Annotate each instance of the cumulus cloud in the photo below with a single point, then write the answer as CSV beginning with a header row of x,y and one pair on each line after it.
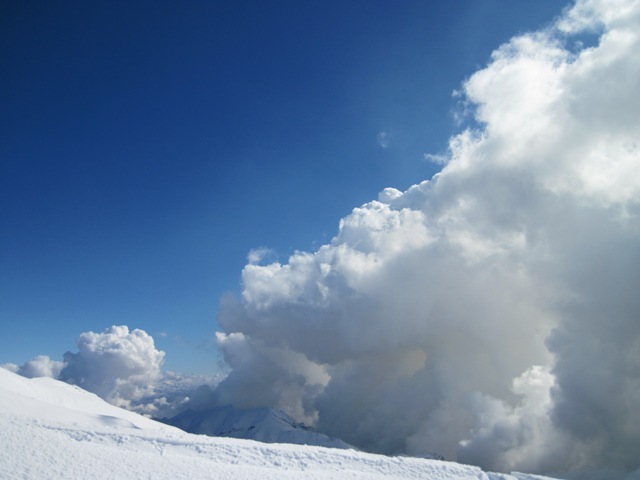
x,y
119,365
490,313
124,368
12,367
39,366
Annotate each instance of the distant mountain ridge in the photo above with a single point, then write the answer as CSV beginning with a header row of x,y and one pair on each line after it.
x,y
262,424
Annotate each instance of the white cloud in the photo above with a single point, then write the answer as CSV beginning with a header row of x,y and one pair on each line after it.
x,y
258,255
118,365
418,327
523,435
384,139
175,392
123,367
40,366
438,159
12,367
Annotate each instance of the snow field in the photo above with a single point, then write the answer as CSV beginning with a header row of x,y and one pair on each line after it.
x,y
51,430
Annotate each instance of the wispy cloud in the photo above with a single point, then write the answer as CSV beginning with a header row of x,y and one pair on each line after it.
x,y
438,159
258,255
384,139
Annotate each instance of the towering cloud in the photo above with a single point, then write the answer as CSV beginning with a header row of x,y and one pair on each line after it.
x,y
491,313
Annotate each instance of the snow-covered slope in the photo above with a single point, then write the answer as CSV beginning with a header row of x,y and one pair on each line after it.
x,y
52,430
261,424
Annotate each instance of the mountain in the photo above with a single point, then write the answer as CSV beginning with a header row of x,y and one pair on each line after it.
x,y
53,430
262,424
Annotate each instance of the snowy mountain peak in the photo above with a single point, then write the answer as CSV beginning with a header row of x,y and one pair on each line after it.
x,y
262,424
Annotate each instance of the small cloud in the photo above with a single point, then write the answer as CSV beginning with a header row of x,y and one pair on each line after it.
x,y
12,367
384,139
257,255
438,159
40,366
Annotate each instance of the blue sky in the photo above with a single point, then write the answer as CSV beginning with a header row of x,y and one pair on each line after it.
x,y
147,147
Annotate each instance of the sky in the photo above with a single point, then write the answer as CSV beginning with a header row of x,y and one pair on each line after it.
x,y
147,147
457,274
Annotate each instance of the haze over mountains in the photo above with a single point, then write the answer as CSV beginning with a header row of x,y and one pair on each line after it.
x,y
262,424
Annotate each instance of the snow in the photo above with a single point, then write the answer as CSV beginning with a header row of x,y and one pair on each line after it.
x,y
262,424
49,429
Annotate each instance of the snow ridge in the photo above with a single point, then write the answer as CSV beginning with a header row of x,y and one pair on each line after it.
x,y
49,429
262,424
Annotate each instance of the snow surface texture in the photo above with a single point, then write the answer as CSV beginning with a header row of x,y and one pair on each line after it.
x,y
262,424
49,429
